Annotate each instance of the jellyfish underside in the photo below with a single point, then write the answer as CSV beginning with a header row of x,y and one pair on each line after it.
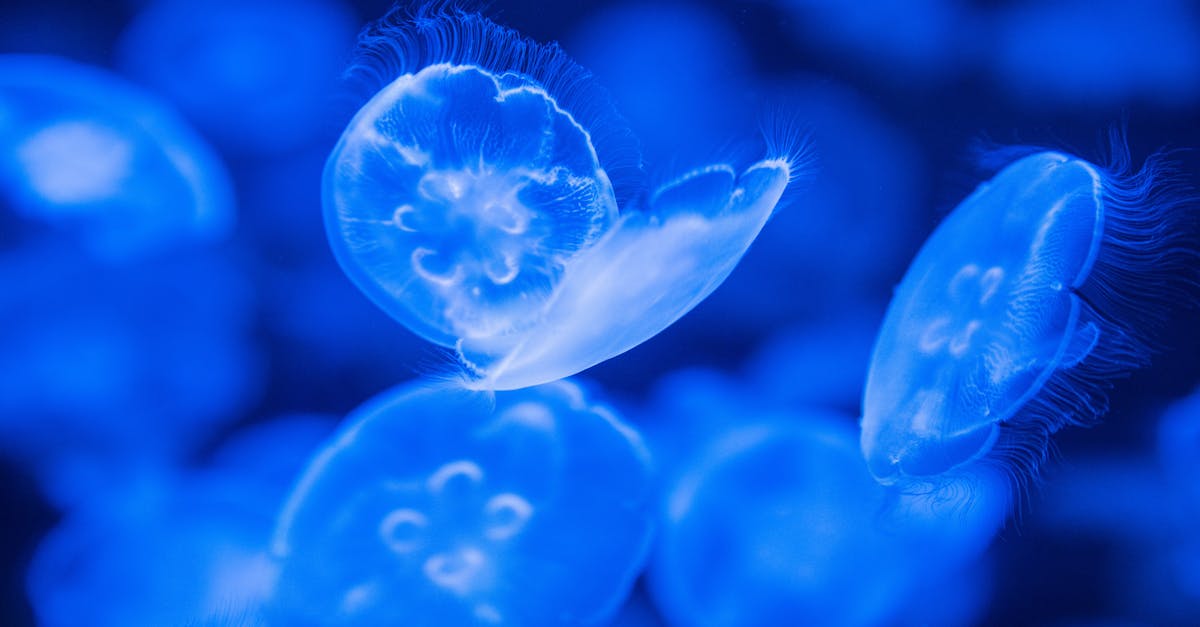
x,y
987,313
433,498
475,211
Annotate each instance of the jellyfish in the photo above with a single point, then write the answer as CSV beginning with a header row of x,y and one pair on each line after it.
x,y
1038,290
490,199
92,156
436,505
775,521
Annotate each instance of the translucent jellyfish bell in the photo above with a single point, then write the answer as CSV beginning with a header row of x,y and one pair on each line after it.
x,y
88,153
441,506
477,198
1035,292
775,521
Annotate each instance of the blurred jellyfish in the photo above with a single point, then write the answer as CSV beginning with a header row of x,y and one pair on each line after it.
x,y
255,76
177,549
441,506
669,100
86,153
1089,53
112,372
776,521
476,199
1040,288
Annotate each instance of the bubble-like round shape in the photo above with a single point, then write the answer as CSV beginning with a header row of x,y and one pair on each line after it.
x,y
441,506
777,522
471,199
466,232
179,552
87,152
1025,302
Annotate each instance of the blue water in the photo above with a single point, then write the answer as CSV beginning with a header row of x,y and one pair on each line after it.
x,y
289,291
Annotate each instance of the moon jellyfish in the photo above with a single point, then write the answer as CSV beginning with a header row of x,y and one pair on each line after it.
x,y
776,521
1038,290
443,506
488,198
89,154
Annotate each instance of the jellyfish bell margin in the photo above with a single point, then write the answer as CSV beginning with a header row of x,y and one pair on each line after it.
x,y
531,265
1036,292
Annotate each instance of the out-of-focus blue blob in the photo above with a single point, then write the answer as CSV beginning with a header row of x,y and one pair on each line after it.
x,y
173,549
820,364
255,76
840,243
900,39
503,239
110,372
84,152
677,71
1027,301
1132,535
1179,450
777,521
442,506
1099,53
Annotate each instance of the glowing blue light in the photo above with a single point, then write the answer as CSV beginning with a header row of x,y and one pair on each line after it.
x,y
471,199
1021,307
441,506
88,153
177,548
776,521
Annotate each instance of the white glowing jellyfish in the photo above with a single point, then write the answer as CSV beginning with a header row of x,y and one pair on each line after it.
x,y
488,198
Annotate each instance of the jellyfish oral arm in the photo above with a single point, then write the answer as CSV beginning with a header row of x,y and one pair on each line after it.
x,y
644,275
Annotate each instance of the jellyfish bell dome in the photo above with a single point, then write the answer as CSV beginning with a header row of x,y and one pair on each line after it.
x,y
1032,294
432,501
490,198
95,156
